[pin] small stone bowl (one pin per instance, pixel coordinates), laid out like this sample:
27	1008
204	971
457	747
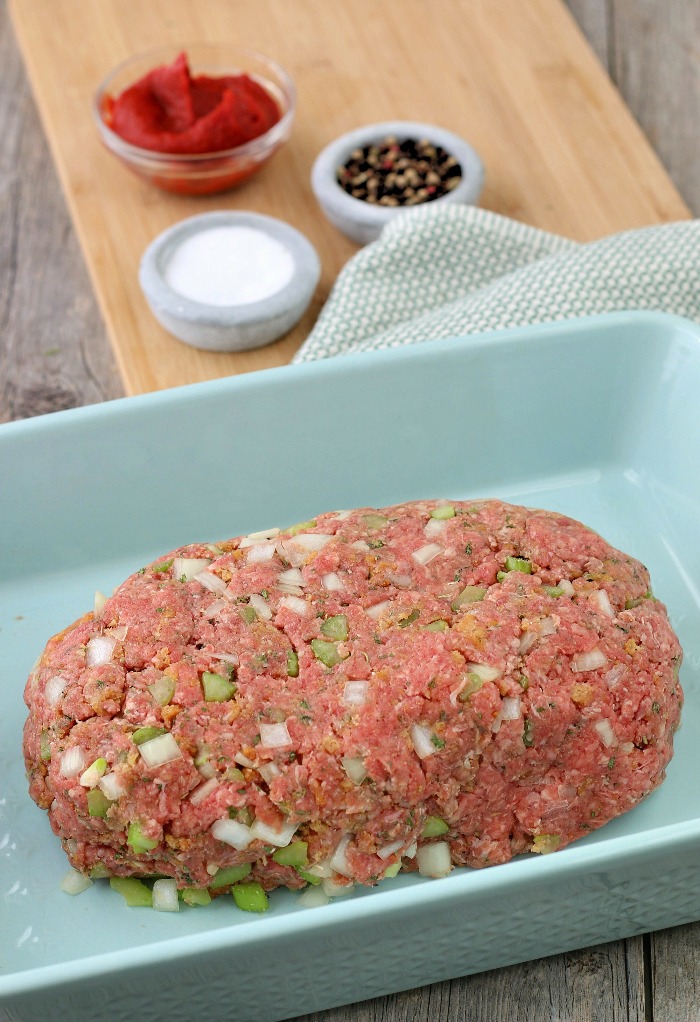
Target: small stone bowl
240	326
362	221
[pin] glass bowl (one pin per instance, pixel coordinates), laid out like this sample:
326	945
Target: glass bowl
200	173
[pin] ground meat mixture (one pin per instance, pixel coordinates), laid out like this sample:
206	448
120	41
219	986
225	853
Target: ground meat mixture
420	686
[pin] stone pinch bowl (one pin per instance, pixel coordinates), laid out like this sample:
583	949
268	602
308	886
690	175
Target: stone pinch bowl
238	327
362	221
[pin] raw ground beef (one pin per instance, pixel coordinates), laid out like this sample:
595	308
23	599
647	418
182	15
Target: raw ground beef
331	700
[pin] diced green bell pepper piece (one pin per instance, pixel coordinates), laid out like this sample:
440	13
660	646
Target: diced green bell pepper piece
519	564
327	652
295	854
217	689
434	826
470	594
98	803
230	875
335	627
309	877
195	896
137	840
292	663
472	685
393	870
134	893
250	897
443	512
375	521
301	526
145	734
437	626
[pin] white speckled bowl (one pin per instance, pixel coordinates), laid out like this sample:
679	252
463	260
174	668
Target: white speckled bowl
229	327
363	222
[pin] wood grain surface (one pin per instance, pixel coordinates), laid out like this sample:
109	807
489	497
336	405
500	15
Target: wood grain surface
54	353
560	148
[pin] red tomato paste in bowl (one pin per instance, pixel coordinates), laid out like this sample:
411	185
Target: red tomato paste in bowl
171	111
195	122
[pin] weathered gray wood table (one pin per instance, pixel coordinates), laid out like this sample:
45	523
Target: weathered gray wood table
54	354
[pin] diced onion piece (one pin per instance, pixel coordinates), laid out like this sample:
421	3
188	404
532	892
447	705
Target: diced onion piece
215	608
410	851
268	771
185	568
99	650
360	544
296	604
72	762
511	708
281	838
339	861
548	626
332	582
210	581
434	859
566	587
160	750
615	675
260	552
310	540
200	793
90	777
100	600
484	671
603	600
313	897
321	869
54	689
207	770
605	732
355	692
254	538
75	882
297	549
425	554
232	832
388	850
260	606
243	760
275	736
527	640
422	738
590	661
165	897
111	787
400	581
228	658
354	767
291	577
335	890
376	611
434	527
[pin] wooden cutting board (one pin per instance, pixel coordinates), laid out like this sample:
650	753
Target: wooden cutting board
516	78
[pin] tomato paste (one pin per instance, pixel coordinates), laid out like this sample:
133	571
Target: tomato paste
171	111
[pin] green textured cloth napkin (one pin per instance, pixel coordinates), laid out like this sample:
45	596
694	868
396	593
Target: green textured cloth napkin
456	270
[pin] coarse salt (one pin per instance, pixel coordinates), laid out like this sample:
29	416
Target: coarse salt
229	266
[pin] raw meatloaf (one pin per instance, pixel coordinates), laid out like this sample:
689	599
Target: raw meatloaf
421	686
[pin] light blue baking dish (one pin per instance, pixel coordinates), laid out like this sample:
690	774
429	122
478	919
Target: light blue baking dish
597	418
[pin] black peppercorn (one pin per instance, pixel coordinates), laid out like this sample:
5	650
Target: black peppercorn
393	173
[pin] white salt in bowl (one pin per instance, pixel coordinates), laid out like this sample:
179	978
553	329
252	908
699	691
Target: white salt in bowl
228	280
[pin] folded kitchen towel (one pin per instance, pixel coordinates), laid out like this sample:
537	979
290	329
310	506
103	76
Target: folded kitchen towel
444	271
